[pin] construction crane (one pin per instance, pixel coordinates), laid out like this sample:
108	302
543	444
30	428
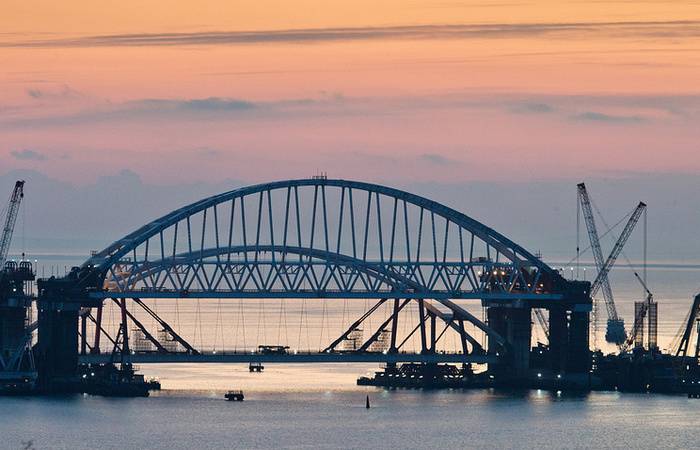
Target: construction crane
615	332
10	219
619	245
687	330
644	309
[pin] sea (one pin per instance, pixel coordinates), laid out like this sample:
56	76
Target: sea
320	406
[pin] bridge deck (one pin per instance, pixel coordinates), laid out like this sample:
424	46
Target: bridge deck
291	358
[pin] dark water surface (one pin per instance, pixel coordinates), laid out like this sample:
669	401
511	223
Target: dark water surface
338	419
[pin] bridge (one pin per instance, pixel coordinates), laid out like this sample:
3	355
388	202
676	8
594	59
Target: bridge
413	271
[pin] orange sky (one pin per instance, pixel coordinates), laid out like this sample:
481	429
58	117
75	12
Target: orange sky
253	90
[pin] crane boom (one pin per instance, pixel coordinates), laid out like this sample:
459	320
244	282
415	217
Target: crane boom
616	327
595	247
10	219
682	349
610	262
638	320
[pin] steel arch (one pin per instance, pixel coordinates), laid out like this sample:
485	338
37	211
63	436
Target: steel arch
503	269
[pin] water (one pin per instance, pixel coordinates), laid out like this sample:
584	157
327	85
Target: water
338	419
321	407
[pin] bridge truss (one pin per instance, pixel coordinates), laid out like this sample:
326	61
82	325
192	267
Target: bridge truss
317	239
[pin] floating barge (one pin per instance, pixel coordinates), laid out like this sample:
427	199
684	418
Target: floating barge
112	381
638	371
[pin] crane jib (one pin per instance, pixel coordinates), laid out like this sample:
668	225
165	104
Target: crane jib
10	219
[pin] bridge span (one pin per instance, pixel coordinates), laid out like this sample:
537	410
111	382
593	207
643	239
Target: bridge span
424	273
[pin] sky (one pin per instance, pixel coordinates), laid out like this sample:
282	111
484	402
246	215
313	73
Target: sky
179	99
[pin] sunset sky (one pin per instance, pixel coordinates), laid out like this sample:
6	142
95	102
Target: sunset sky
380	90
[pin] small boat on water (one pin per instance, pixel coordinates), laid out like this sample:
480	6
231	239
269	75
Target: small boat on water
234	396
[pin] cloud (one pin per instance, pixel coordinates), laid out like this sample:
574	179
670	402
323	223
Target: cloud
584	108
50	94
197	104
630	29
28	155
210	153
209	108
438	160
532	108
593	116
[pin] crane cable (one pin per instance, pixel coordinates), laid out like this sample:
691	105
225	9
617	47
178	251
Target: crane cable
609	230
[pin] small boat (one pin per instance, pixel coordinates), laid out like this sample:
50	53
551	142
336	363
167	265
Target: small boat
234	396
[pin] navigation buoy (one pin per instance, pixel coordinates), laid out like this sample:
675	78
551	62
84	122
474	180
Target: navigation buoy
367	403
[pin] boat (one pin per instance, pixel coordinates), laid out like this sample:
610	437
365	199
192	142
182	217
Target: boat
234	396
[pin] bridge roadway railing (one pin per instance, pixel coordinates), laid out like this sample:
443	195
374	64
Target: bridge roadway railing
293	357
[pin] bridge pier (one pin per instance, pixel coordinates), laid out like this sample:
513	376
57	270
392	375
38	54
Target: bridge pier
515	326
57	344
17	371
12	334
569	341
569	352
579	357
558	338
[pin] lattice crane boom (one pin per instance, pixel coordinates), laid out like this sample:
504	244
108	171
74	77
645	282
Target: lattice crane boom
619	245
604	283
638	320
616	329
682	349
10	220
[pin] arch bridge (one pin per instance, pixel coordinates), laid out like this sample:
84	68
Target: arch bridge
412	268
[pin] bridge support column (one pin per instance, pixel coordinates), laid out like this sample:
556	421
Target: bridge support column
515	325
57	346
558	338
11	330
568	341
579	355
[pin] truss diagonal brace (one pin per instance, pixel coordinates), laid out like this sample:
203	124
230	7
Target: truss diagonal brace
143	329
355	324
450	322
376	334
166	327
466	315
